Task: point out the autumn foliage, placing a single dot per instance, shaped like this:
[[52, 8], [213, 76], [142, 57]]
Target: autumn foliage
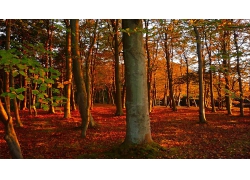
[[50, 136]]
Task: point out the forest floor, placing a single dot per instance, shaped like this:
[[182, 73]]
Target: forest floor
[[50, 136]]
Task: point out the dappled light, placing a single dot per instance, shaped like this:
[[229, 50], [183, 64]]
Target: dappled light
[[52, 136]]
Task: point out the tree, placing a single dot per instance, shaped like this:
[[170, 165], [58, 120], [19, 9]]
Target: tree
[[78, 77], [208, 47], [5, 116], [118, 97], [202, 118], [137, 115], [68, 70], [168, 54], [239, 72]]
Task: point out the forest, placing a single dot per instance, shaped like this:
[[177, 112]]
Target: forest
[[124, 88]]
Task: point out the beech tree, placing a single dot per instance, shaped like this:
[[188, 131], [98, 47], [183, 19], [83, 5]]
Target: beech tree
[[78, 77], [137, 115], [68, 70], [202, 118], [118, 97], [5, 116]]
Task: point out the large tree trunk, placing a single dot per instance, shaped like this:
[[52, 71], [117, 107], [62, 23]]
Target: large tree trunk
[[118, 98], [202, 118], [78, 77], [239, 74], [137, 115], [68, 70]]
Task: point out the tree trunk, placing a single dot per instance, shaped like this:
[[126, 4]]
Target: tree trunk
[[16, 108], [226, 65], [68, 70], [10, 134], [137, 115], [50, 36], [169, 71], [118, 98], [149, 69], [210, 74], [78, 77], [187, 64], [202, 118], [239, 74], [72, 97], [25, 94]]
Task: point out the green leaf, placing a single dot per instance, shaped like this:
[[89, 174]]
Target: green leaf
[[12, 89], [35, 92], [21, 66], [12, 95], [20, 97], [23, 73], [45, 107], [49, 81], [4, 94], [15, 73], [43, 87], [20, 90], [31, 71]]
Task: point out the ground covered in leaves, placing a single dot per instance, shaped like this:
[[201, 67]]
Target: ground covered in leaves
[[179, 135]]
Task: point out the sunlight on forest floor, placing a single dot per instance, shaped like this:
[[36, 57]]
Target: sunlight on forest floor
[[50, 136]]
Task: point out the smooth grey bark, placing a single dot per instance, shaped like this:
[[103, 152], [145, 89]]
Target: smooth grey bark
[[137, 115], [202, 118]]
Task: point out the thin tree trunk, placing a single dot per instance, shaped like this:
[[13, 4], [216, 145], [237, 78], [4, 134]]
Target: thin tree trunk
[[25, 94], [202, 118], [78, 77], [88, 78], [226, 65], [149, 69], [239, 74], [187, 64], [50, 36], [169, 71], [72, 97], [68, 70], [16, 108], [118, 99], [210, 74]]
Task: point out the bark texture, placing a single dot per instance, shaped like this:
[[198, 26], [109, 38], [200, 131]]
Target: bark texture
[[137, 115], [202, 118]]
